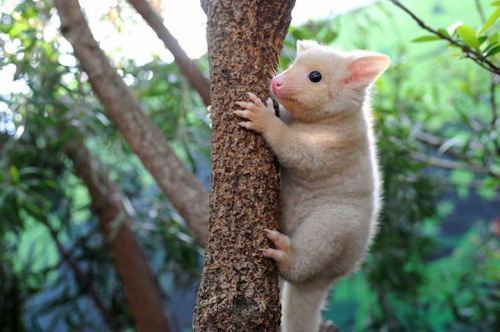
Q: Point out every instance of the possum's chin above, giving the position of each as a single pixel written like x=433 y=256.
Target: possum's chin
x=289 y=103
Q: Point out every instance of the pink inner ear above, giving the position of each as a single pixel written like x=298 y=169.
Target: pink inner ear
x=366 y=69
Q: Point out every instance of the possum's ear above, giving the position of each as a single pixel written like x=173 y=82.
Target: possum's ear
x=303 y=45
x=365 y=69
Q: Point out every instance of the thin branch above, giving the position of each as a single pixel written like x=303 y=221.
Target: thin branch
x=442 y=146
x=204 y=6
x=458 y=160
x=186 y=65
x=480 y=11
x=494 y=114
x=444 y=163
x=83 y=281
x=468 y=52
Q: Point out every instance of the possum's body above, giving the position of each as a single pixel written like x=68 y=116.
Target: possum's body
x=330 y=186
x=330 y=217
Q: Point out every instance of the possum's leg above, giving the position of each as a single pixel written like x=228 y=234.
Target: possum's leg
x=328 y=243
x=281 y=252
x=302 y=304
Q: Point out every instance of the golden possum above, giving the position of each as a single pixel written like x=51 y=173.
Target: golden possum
x=330 y=183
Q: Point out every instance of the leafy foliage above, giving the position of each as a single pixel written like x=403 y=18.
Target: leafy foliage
x=42 y=200
x=480 y=46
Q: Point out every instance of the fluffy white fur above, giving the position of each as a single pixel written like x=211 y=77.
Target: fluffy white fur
x=330 y=183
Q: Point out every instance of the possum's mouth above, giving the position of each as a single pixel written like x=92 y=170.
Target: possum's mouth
x=290 y=100
x=285 y=98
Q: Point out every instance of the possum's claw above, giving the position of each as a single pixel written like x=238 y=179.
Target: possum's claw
x=281 y=241
x=282 y=252
x=209 y=115
x=259 y=115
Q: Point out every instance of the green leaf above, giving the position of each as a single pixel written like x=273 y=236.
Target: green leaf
x=490 y=21
x=461 y=177
x=468 y=36
x=424 y=39
x=494 y=37
x=487 y=193
x=14 y=174
x=493 y=51
x=489 y=47
x=496 y=3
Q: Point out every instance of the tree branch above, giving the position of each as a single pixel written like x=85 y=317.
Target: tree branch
x=480 y=11
x=140 y=286
x=444 y=163
x=83 y=281
x=181 y=187
x=204 y=5
x=187 y=66
x=494 y=114
x=458 y=160
x=468 y=52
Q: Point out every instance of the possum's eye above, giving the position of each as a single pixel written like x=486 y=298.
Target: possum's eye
x=315 y=76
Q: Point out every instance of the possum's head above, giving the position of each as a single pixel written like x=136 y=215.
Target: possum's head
x=322 y=81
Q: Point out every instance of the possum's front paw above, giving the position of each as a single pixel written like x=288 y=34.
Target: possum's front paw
x=259 y=116
x=281 y=252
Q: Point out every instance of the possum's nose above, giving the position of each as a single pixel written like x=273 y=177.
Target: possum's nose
x=276 y=84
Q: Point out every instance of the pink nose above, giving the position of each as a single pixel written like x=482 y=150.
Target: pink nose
x=276 y=84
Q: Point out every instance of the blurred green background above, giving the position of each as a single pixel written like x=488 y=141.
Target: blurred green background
x=435 y=265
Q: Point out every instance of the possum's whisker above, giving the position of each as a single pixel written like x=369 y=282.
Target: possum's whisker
x=270 y=70
x=273 y=70
x=269 y=66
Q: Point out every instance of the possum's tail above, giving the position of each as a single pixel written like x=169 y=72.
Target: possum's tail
x=302 y=304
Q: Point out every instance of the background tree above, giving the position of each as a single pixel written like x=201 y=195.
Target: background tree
x=50 y=94
x=183 y=189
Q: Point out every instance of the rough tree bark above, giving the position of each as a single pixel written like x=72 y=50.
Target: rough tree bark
x=140 y=286
x=239 y=287
x=182 y=188
x=187 y=66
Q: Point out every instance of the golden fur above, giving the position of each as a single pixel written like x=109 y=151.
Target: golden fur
x=330 y=183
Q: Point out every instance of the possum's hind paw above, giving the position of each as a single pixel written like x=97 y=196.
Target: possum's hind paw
x=281 y=241
x=281 y=254
x=209 y=116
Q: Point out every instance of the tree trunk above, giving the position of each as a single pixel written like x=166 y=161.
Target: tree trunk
x=239 y=287
x=182 y=188
x=140 y=286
